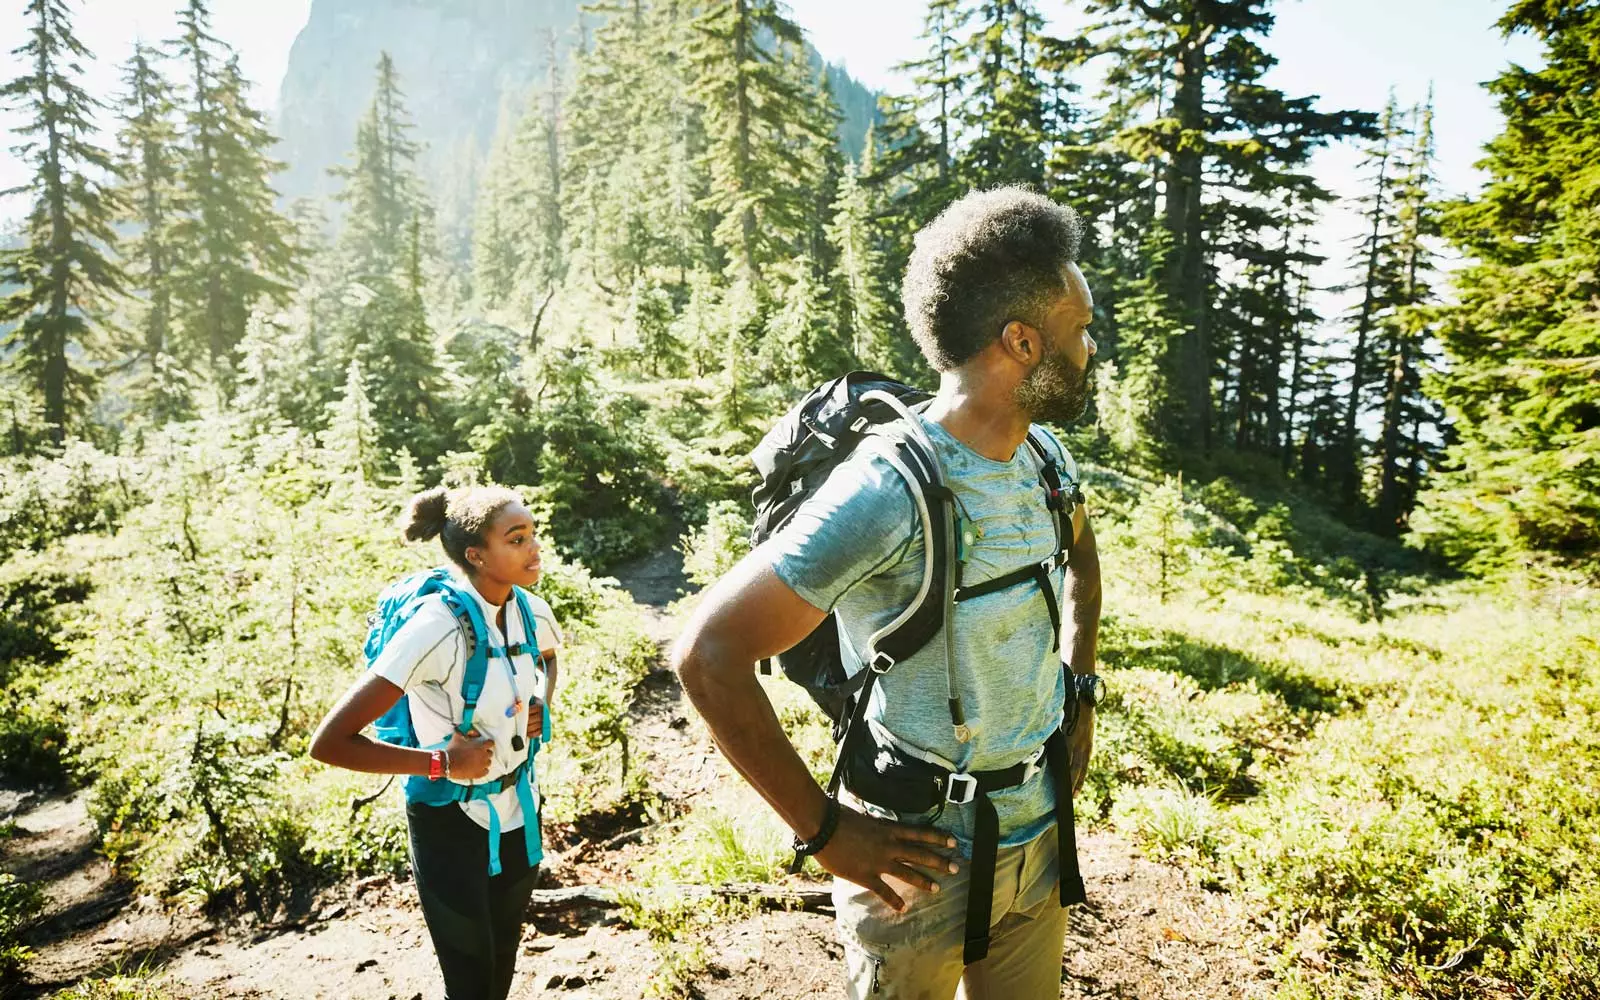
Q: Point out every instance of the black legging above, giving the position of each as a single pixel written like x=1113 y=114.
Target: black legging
x=475 y=920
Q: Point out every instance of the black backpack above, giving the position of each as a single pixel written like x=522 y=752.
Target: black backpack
x=797 y=455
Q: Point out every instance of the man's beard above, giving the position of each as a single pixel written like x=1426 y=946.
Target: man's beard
x=1055 y=391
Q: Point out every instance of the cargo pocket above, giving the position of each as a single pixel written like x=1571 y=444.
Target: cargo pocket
x=863 y=972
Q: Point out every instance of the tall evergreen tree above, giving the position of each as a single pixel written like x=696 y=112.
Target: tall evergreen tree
x=1522 y=383
x=351 y=439
x=387 y=330
x=760 y=121
x=497 y=242
x=381 y=191
x=1002 y=115
x=1377 y=282
x=1219 y=127
x=914 y=172
x=633 y=189
x=863 y=291
x=64 y=273
x=163 y=387
x=1404 y=452
x=239 y=250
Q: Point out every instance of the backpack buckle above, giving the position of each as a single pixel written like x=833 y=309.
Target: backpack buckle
x=881 y=662
x=1032 y=765
x=960 y=789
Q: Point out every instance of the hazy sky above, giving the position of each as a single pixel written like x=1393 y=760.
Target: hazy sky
x=1348 y=51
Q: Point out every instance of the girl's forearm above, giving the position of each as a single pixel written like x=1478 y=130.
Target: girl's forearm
x=361 y=753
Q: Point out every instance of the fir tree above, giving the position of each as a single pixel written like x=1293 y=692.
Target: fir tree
x=1002 y=117
x=1520 y=385
x=633 y=190
x=497 y=244
x=381 y=191
x=239 y=250
x=913 y=171
x=1218 y=128
x=351 y=440
x=163 y=389
x=1404 y=453
x=1378 y=280
x=865 y=315
x=760 y=121
x=389 y=333
x=63 y=275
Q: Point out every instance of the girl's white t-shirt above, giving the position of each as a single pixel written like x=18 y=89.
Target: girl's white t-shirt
x=427 y=659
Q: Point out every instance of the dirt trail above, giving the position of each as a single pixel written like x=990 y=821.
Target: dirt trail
x=1149 y=932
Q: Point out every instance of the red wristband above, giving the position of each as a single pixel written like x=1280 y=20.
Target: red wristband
x=436 y=765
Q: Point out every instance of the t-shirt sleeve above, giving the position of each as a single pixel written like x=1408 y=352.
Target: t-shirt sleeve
x=544 y=620
x=423 y=651
x=861 y=522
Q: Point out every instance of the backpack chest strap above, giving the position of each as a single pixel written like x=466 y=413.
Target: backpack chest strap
x=1042 y=573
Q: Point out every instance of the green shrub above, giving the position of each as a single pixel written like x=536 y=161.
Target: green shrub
x=713 y=548
x=1450 y=821
x=114 y=988
x=591 y=763
x=50 y=496
x=1171 y=819
x=31 y=589
x=20 y=904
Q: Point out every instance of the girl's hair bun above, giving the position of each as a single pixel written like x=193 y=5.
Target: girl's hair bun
x=425 y=514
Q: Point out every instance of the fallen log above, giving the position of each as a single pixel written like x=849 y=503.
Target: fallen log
x=811 y=898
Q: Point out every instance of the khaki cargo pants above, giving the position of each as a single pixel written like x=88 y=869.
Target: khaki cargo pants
x=916 y=954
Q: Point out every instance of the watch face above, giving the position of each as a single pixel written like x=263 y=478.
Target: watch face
x=1091 y=689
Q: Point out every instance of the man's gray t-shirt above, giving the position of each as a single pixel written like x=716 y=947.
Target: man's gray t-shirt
x=855 y=547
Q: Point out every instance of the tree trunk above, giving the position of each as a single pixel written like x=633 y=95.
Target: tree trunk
x=1185 y=272
x=1350 y=454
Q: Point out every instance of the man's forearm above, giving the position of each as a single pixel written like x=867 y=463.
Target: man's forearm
x=747 y=731
x=1083 y=591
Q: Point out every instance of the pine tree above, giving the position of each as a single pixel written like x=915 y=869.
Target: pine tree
x=863 y=292
x=760 y=121
x=164 y=388
x=1378 y=280
x=497 y=243
x=239 y=250
x=381 y=191
x=1520 y=384
x=390 y=335
x=1403 y=451
x=1002 y=116
x=915 y=172
x=351 y=440
x=63 y=275
x=633 y=189
x=1218 y=128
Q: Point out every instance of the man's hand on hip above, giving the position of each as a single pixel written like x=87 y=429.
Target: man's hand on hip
x=864 y=849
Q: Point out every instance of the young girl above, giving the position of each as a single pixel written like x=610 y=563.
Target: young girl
x=474 y=917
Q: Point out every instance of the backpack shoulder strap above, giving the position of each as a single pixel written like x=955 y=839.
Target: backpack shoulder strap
x=920 y=620
x=475 y=632
x=530 y=626
x=1064 y=495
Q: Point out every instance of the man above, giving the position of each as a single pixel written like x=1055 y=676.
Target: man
x=996 y=302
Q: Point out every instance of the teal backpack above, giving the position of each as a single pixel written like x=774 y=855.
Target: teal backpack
x=396 y=605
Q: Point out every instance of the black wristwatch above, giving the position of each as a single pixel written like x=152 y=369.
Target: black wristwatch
x=1091 y=690
x=830 y=822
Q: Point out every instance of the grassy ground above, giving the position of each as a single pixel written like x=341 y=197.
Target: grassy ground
x=1406 y=807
